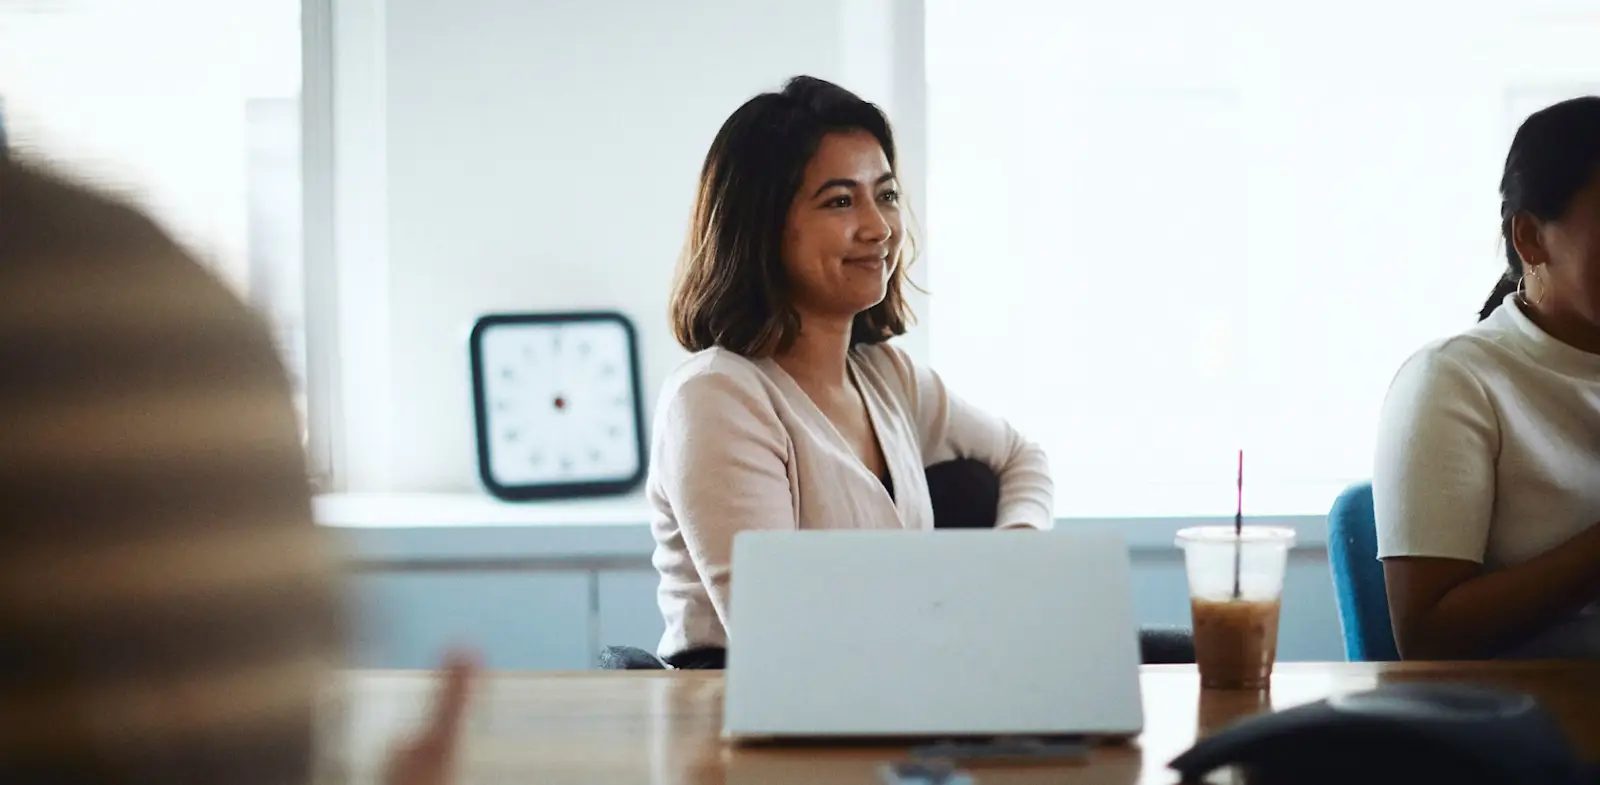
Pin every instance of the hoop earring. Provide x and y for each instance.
(1542, 286)
(1522, 288)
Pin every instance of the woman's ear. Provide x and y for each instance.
(1527, 238)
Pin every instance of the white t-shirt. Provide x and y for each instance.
(1489, 451)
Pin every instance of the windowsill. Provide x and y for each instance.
(455, 510)
(426, 514)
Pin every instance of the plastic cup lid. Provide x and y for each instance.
(1264, 535)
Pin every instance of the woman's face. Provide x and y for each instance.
(842, 240)
(1568, 252)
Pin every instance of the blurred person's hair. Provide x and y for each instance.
(168, 610)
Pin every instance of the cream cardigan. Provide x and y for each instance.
(738, 445)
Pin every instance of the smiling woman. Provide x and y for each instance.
(782, 164)
(795, 412)
(840, 256)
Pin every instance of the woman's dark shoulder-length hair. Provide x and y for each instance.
(731, 289)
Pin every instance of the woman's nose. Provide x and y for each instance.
(875, 226)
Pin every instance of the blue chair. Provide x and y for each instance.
(1358, 577)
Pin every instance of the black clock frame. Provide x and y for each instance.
(563, 490)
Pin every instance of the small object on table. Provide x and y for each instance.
(919, 772)
(1008, 750)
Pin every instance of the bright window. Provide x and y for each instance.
(189, 107)
(1163, 231)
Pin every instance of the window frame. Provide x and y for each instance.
(319, 275)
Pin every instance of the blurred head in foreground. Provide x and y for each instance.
(167, 608)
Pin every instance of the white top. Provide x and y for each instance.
(738, 445)
(1489, 451)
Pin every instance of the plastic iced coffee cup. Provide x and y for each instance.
(1235, 619)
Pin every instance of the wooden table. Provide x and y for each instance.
(663, 727)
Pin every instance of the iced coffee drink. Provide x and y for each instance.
(1235, 642)
(1235, 585)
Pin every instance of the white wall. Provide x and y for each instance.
(530, 156)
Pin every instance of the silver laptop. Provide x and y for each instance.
(941, 633)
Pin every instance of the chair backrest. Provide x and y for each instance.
(965, 494)
(1358, 577)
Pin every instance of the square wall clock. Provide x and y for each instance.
(556, 397)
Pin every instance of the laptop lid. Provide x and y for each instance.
(938, 633)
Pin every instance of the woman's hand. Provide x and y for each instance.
(428, 757)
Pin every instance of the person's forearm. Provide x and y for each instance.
(1027, 492)
(1491, 612)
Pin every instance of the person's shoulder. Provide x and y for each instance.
(713, 377)
(716, 367)
(1482, 350)
(889, 361)
(1451, 367)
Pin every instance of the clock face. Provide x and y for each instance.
(558, 404)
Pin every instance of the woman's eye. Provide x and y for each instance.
(838, 201)
(890, 196)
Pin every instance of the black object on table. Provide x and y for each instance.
(1398, 733)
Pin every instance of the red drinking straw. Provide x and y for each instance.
(1238, 526)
